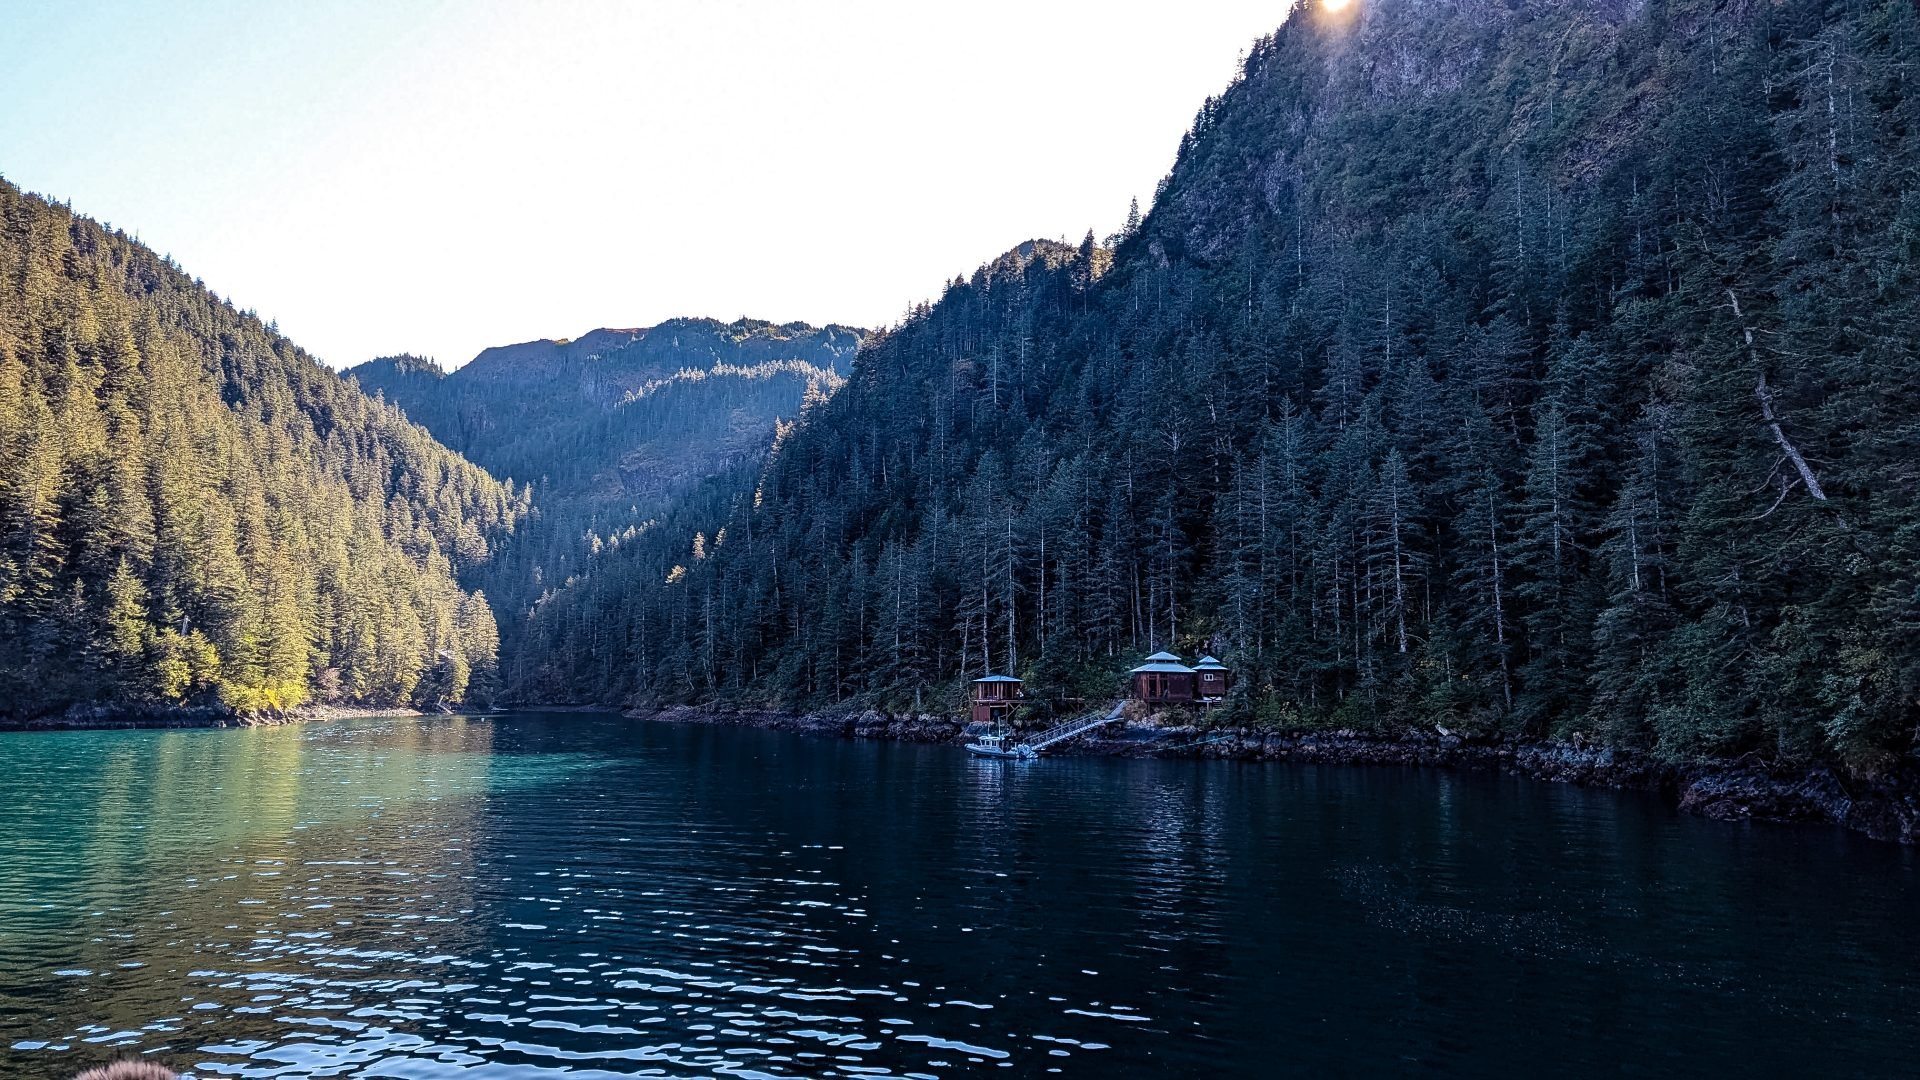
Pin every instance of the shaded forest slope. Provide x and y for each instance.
(1535, 368)
(609, 428)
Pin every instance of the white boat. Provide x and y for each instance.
(996, 745)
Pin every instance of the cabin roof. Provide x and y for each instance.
(997, 678)
(1163, 657)
(1208, 663)
(1170, 669)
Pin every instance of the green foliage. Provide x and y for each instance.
(193, 510)
(1420, 395)
(1529, 370)
(606, 430)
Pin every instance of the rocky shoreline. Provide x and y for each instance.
(1887, 809)
(114, 717)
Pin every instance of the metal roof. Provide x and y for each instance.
(1163, 657)
(997, 678)
(1208, 663)
(1170, 669)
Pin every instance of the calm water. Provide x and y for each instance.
(587, 896)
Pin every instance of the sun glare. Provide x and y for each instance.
(1335, 5)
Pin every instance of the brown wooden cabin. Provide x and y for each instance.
(1163, 678)
(1212, 679)
(994, 698)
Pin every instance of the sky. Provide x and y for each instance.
(387, 176)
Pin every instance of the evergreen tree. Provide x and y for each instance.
(174, 479)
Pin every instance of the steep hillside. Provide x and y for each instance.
(618, 414)
(608, 428)
(1534, 368)
(193, 510)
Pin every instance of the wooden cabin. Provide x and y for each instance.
(1212, 679)
(994, 698)
(1163, 678)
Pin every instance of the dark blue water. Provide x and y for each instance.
(586, 896)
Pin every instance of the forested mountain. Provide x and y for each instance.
(1529, 367)
(609, 427)
(192, 510)
(618, 415)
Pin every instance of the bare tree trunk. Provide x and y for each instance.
(1499, 604)
(1040, 623)
(1399, 582)
(1013, 608)
(1765, 397)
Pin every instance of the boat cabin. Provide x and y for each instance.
(994, 698)
(1212, 679)
(1163, 678)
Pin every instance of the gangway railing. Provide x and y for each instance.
(1069, 729)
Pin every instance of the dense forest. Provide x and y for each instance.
(194, 511)
(1533, 368)
(607, 429)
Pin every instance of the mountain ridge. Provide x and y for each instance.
(558, 389)
(609, 427)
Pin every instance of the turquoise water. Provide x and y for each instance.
(587, 896)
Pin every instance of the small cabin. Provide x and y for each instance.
(1212, 679)
(1163, 678)
(994, 698)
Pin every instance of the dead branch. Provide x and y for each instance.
(1765, 397)
(1785, 487)
(1772, 473)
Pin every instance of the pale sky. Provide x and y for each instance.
(384, 176)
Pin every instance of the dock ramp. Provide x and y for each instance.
(1070, 729)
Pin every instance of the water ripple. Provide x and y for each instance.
(589, 897)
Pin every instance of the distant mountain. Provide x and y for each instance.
(609, 427)
(618, 414)
(1531, 368)
(193, 510)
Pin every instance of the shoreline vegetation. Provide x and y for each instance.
(1746, 789)
(109, 716)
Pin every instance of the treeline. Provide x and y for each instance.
(192, 510)
(1535, 370)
